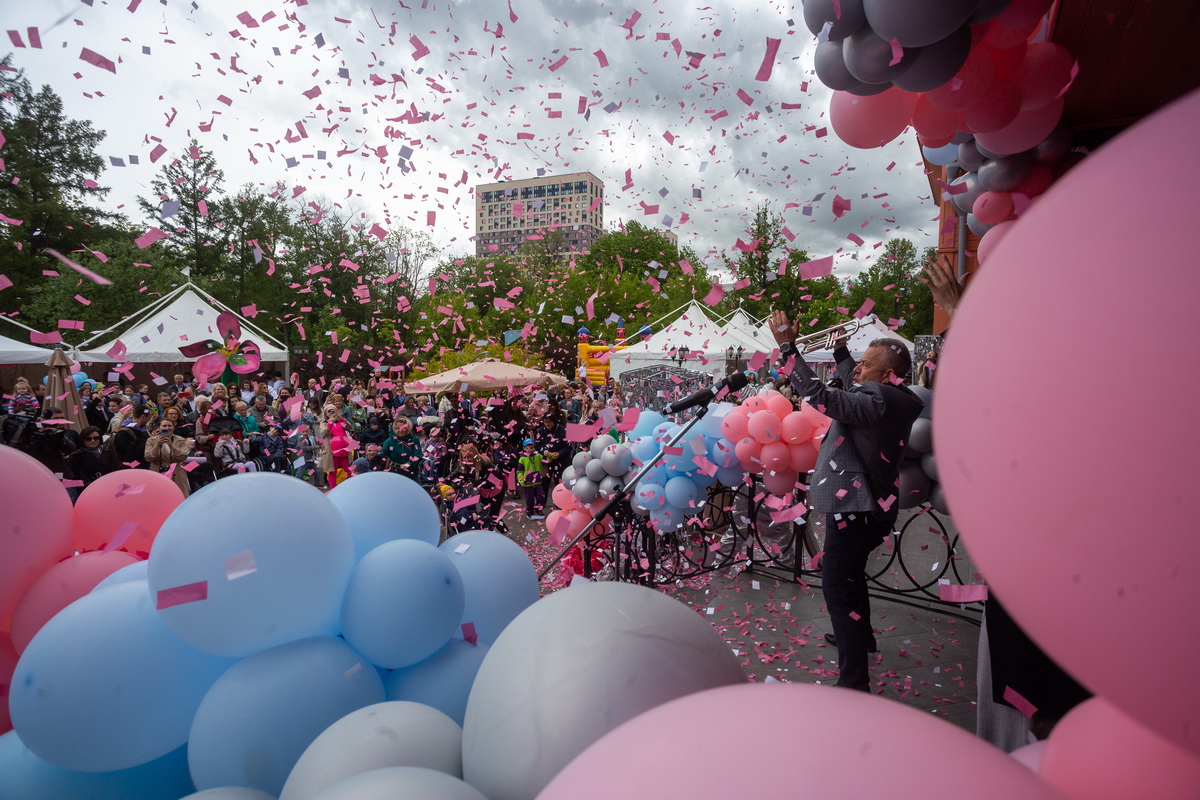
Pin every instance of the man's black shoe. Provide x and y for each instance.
(829, 637)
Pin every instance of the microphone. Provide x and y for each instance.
(734, 382)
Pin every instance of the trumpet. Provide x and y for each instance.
(825, 340)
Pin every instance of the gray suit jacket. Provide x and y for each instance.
(858, 468)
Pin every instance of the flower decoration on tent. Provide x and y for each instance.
(224, 357)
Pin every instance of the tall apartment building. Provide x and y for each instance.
(509, 212)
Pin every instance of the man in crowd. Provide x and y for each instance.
(856, 481)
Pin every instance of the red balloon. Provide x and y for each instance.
(749, 453)
(764, 426)
(870, 122)
(803, 457)
(969, 84)
(8, 665)
(1009, 59)
(1029, 128)
(1022, 14)
(796, 428)
(1001, 38)
(108, 505)
(931, 122)
(775, 456)
(36, 528)
(992, 207)
(753, 403)
(1037, 181)
(930, 144)
(733, 427)
(1045, 72)
(58, 587)
(997, 108)
(778, 405)
(780, 482)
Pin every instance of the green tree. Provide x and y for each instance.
(891, 283)
(48, 184)
(193, 181)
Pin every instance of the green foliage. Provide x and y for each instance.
(194, 181)
(891, 281)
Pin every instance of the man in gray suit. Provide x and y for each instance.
(857, 476)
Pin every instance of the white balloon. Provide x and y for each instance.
(571, 668)
(398, 783)
(390, 734)
(595, 470)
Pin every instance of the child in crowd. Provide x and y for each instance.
(376, 459)
(274, 451)
(230, 454)
(458, 520)
(529, 477)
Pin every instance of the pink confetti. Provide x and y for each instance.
(1014, 698)
(971, 593)
(768, 62)
(897, 52)
(603, 59)
(816, 269)
(97, 60)
(148, 238)
(122, 535)
(179, 595)
(54, 337)
(84, 271)
(469, 634)
(419, 49)
(715, 294)
(581, 432)
(557, 64)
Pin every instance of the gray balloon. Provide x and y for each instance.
(831, 69)
(937, 499)
(599, 443)
(926, 398)
(580, 460)
(988, 10)
(978, 228)
(917, 23)
(616, 459)
(921, 437)
(569, 476)
(1051, 149)
(969, 157)
(1005, 174)
(929, 465)
(964, 201)
(610, 485)
(595, 470)
(586, 490)
(937, 63)
(868, 57)
(986, 153)
(962, 136)
(574, 666)
(914, 485)
(868, 89)
(844, 18)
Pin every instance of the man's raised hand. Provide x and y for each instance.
(781, 328)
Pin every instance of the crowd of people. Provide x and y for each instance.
(470, 451)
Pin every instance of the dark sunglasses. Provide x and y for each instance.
(90, 438)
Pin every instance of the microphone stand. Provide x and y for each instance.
(623, 493)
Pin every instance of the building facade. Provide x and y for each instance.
(508, 213)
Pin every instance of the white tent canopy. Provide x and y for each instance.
(13, 351)
(870, 330)
(747, 334)
(182, 317)
(694, 330)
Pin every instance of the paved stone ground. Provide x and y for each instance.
(927, 656)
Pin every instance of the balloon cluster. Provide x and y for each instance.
(775, 439)
(591, 479)
(677, 486)
(918, 471)
(952, 71)
(245, 640)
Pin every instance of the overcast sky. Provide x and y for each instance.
(384, 107)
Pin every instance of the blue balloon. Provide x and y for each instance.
(651, 495)
(721, 453)
(643, 448)
(731, 476)
(702, 480)
(258, 584)
(404, 601)
(136, 571)
(128, 701)
(663, 431)
(499, 580)
(259, 717)
(667, 518)
(382, 506)
(646, 423)
(710, 423)
(946, 154)
(681, 493)
(80, 379)
(442, 681)
(26, 776)
(657, 474)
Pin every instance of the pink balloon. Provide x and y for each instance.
(817, 418)
(1029, 128)
(870, 122)
(733, 427)
(989, 241)
(753, 403)
(1045, 72)
(865, 743)
(552, 521)
(779, 405)
(1074, 245)
(593, 508)
(803, 457)
(764, 426)
(1098, 753)
(931, 122)
(993, 207)
(796, 428)
(775, 455)
(58, 587)
(997, 108)
(579, 521)
(105, 509)
(1030, 756)
(969, 84)
(8, 664)
(563, 498)
(781, 481)
(749, 452)
(36, 524)
(1022, 13)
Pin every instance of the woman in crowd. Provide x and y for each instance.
(335, 441)
(470, 478)
(91, 461)
(412, 411)
(164, 448)
(402, 450)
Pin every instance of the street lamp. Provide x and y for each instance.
(679, 355)
(735, 354)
